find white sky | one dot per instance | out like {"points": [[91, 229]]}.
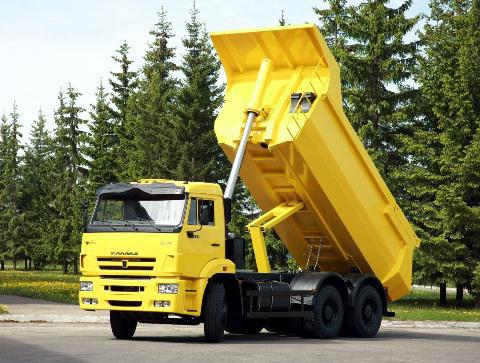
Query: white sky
{"points": [[46, 44]]}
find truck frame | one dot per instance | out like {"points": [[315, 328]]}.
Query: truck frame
{"points": [[159, 251]]}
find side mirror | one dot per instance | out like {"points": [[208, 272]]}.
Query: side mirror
{"points": [[85, 214], [205, 214]]}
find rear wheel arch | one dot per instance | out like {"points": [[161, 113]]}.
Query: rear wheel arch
{"points": [[339, 283], [368, 280]]}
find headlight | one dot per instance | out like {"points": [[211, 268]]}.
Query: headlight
{"points": [[86, 286], [168, 288]]}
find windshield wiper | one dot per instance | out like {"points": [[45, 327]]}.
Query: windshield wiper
{"points": [[110, 224], [130, 224], [150, 222]]}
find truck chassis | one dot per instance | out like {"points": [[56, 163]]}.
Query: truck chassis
{"points": [[308, 304]]}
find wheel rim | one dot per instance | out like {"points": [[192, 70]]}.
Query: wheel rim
{"points": [[329, 312], [369, 311]]}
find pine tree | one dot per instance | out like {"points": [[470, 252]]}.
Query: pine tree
{"points": [[334, 25], [37, 184], [3, 203], [102, 146], [282, 21], [152, 113], [199, 156], [69, 145], [449, 77], [376, 62], [124, 84], [12, 217]]}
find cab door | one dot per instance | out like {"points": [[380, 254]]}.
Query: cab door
{"points": [[204, 233]]}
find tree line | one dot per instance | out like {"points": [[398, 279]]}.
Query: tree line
{"points": [[411, 89], [156, 122]]}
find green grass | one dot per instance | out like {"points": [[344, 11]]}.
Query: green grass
{"points": [[47, 285], [423, 305], [55, 286], [3, 309]]}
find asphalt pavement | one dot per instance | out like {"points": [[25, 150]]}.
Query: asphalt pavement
{"points": [[36, 340]]}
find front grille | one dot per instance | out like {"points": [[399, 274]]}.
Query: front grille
{"points": [[137, 268], [126, 288], [126, 277], [125, 303], [129, 259], [125, 263]]}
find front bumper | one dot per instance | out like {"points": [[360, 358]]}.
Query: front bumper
{"points": [[134, 295]]}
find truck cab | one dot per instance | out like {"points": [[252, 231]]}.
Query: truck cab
{"points": [[152, 246]]}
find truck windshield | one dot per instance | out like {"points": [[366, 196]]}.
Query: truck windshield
{"points": [[164, 210]]}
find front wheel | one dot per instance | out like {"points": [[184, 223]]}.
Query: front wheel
{"points": [[215, 313], [122, 326]]}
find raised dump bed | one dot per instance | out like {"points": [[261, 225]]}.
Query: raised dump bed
{"points": [[303, 149]]}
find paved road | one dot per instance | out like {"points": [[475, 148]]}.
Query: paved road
{"points": [[29, 342], [19, 305]]}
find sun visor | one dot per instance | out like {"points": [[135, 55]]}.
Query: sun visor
{"points": [[141, 188]]}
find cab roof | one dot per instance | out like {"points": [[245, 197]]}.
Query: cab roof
{"points": [[161, 186], [189, 187]]}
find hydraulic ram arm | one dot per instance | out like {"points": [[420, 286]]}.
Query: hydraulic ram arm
{"points": [[265, 222], [252, 112]]}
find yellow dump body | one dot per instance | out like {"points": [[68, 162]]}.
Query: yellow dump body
{"points": [[312, 155]]}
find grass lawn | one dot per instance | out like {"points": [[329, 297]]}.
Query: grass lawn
{"points": [[55, 286], [423, 305], [3, 309], [48, 285]]}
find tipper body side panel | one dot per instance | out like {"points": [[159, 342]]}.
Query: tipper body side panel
{"points": [[303, 149]]}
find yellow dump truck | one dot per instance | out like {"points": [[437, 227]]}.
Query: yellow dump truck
{"points": [[159, 251]]}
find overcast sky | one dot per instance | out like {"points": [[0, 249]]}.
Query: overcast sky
{"points": [[46, 44]]}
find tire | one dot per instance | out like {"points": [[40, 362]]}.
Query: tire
{"points": [[328, 312], [365, 318], [122, 326], [215, 313]]}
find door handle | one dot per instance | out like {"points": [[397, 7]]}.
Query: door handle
{"points": [[215, 244], [190, 234]]}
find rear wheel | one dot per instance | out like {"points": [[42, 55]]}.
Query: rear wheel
{"points": [[365, 318], [123, 327], [328, 314], [215, 313]]}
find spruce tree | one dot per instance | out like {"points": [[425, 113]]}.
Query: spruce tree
{"points": [[282, 21], [3, 203], [12, 217], [449, 78], [102, 146], [199, 156], [69, 148], [152, 115], [37, 184], [334, 27], [376, 62], [124, 84]]}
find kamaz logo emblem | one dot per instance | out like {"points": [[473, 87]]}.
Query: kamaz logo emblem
{"points": [[124, 263], [119, 253]]}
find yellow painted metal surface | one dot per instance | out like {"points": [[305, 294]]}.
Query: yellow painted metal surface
{"points": [[312, 155], [112, 260], [265, 222]]}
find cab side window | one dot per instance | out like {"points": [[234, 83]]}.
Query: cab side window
{"points": [[206, 212], [192, 214]]}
